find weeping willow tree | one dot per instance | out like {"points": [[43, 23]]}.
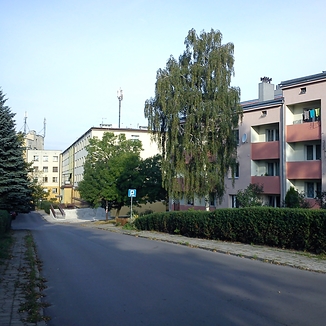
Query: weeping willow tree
{"points": [[193, 116]]}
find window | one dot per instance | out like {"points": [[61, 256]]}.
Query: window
{"points": [[303, 90], [236, 136], [55, 158], [310, 152], [45, 179], [190, 201], [45, 169], [318, 152], [35, 168], [234, 202], [55, 179], [236, 171], [273, 169], [212, 199], [54, 190], [55, 169], [313, 152], [272, 135], [35, 158], [274, 201], [45, 158], [312, 188]]}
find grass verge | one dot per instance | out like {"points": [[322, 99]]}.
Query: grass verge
{"points": [[33, 304], [6, 241]]}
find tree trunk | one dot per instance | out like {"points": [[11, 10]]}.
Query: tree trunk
{"points": [[106, 210]]}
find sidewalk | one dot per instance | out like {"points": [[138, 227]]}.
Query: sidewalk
{"points": [[12, 279], [297, 259]]}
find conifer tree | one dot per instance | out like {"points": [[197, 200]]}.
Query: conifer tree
{"points": [[15, 192], [193, 116]]}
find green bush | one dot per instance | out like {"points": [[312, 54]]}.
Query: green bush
{"points": [[5, 222], [291, 228]]}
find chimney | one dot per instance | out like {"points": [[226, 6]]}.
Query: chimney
{"points": [[265, 89]]}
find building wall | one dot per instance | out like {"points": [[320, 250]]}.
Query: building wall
{"points": [[46, 165], [73, 158]]}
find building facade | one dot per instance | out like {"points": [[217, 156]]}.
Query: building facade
{"points": [[73, 158], [281, 143], [46, 170]]}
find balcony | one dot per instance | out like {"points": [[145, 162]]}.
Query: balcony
{"points": [[265, 150], [303, 132], [303, 170], [271, 184]]}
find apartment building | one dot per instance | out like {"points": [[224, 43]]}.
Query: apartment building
{"points": [[46, 169], [45, 163], [281, 143], [73, 158]]}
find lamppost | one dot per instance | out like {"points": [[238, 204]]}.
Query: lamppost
{"points": [[120, 98]]}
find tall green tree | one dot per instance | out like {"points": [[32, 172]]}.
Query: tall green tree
{"points": [[111, 168], [15, 188], [151, 189], [193, 116]]}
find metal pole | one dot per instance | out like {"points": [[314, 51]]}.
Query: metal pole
{"points": [[131, 208], [120, 98], [119, 111]]}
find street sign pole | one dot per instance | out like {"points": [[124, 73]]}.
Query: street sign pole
{"points": [[131, 194]]}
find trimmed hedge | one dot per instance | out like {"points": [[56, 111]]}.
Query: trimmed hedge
{"points": [[299, 229], [5, 222]]}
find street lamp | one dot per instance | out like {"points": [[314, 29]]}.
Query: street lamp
{"points": [[120, 98]]}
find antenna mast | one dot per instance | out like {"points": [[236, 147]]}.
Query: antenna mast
{"points": [[44, 127], [25, 123]]}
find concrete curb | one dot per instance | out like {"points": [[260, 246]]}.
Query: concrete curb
{"points": [[276, 256]]}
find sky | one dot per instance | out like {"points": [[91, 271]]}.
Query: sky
{"points": [[65, 60]]}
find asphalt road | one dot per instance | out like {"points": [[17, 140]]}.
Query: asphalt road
{"points": [[97, 277]]}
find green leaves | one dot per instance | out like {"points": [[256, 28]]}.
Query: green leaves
{"points": [[113, 165], [193, 114], [15, 188]]}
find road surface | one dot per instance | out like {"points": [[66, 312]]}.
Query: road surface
{"points": [[95, 277]]}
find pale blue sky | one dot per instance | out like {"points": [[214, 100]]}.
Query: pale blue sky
{"points": [[64, 60]]}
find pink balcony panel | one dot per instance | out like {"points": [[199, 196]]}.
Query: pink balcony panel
{"points": [[303, 132], [303, 170], [265, 150], [271, 184]]}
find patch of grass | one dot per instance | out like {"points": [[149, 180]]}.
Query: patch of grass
{"points": [[6, 241], [32, 289], [129, 226]]}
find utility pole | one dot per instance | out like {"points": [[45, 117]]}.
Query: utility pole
{"points": [[120, 98]]}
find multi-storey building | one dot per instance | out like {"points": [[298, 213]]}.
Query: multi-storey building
{"points": [[45, 163], [46, 169], [281, 143], [73, 158]]}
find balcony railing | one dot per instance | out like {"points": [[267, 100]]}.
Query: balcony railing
{"points": [[303, 170]]}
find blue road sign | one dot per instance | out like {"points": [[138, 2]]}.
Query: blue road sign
{"points": [[131, 192]]}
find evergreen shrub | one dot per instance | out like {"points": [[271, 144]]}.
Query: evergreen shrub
{"points": [[290, 228], [5, 222]]}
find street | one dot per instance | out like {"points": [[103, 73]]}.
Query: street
{"points": [[96, 277]]}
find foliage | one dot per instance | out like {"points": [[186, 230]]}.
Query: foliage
{"points": [[294, 199], [5, 222], [38, 193], [298, 229], [193, 115], [151, 189], [321, 199], [6, 241], [15, 192], [251, 196], [111, 168]]}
